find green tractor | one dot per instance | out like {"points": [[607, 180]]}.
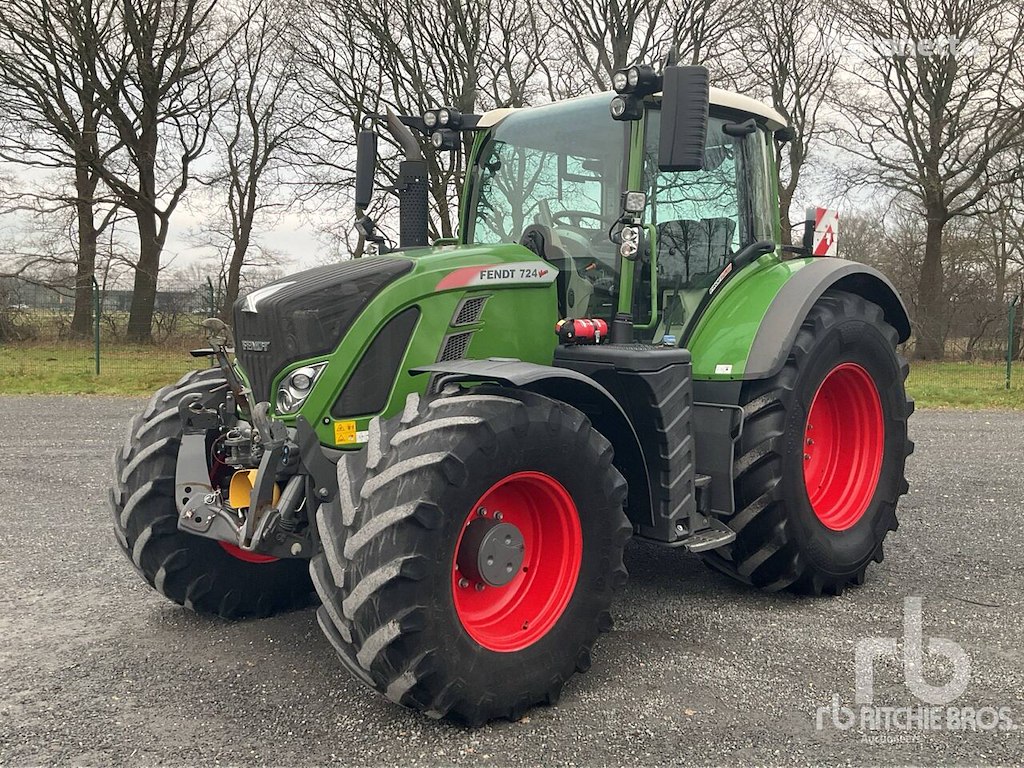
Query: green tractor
{"points": [[453, 444]]}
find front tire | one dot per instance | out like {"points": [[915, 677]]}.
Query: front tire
{"points": [[820, 464], [193, 571], [426, 611]]}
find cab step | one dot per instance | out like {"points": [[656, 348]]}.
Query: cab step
{"points": [[718, 535]]}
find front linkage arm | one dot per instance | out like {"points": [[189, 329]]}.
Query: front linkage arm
{"points": [[288, 458]]}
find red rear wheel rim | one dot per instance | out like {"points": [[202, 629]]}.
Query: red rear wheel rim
{"points": [[241, 554], [844, 441], [511, 617]]}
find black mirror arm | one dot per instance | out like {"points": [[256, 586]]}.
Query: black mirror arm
{"points": [[740, 130]]}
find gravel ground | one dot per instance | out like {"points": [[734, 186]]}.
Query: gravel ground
{"points": [[95, 668]]}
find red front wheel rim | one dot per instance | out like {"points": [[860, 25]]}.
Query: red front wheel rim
{"points": [[515, 615], [241, 554], [844, 441]]}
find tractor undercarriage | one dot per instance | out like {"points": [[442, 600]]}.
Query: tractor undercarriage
{"points": [[253, 484]]}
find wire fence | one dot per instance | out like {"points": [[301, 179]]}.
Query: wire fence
{"points": [[40, 353]]}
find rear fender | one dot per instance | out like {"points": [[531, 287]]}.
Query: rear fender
{"points": [[747, 331], [786, 313]]}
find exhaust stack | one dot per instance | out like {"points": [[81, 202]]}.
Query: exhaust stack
{"points": [[413, 208]]}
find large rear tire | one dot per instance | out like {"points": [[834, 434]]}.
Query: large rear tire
{"points": [[189, 570], [424, 610], [820, 464]]}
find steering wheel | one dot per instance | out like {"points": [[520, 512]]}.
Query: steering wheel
{"points": [[576, 218]]}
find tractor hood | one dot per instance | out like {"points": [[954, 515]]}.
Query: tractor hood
{"points": [[305, 315]]}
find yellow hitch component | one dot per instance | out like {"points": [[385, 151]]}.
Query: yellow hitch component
{"points": [[241, 488]]}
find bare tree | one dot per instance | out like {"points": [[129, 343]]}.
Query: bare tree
{"points": [[366, 57], [51, 120], [156, 85], [261, 132], [1001, 226], [787, 60], [381, 54], [936, 97], [600, 36]]}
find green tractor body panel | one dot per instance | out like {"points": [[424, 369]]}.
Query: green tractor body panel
{"points": [[517, 320], [748, 328], [725, 333]]}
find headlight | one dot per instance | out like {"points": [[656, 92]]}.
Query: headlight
{"points": [[629, 242], [634, 202], [443, 117], [296, 386], [619, 81], [626, 107], [444, 139], [430, 118]]}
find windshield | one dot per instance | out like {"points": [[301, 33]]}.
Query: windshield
{"points": [[560, 165], [552, 179]]}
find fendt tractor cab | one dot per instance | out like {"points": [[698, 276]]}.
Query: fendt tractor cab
{"points": [[453, 444]]}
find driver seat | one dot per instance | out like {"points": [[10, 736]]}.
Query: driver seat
{"points": [[574, 290]]}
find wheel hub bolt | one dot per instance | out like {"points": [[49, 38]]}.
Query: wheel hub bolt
{"points": [[481, 511], [479, 587], [498, 516], [463, 583]]}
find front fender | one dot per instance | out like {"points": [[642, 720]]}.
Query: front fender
{"points": [[606, 414], [747, 331]]}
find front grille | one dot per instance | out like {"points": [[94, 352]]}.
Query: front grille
{"points": [[305, 315]]}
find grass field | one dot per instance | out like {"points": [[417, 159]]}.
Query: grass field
{"points": [[968, 386], [71, 370], [140, 370]]}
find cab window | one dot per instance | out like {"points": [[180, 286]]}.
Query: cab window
{"points": [[701, 219]]}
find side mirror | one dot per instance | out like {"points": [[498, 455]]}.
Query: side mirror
{"points": [[366, 164], [807, 241], [684, 118]]}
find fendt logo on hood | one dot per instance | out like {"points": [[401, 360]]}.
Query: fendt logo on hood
{"points": [[255, 345]]}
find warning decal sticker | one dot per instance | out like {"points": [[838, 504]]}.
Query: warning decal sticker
{"points": [[826, 232]]}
